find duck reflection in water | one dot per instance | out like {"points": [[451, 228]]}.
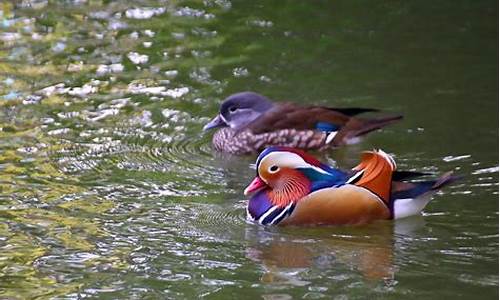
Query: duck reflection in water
{"points": [[286, 253]]}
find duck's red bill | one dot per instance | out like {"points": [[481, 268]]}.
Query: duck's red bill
{"points": [[254, 186]]}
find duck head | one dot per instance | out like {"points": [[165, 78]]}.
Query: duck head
{"points": [[239, 110], [285, 176]]}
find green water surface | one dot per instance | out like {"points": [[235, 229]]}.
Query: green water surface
{"points": [[109, 189]]}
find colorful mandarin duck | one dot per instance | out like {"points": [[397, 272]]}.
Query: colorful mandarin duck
{"points": [[294, 188], [250, 122]]}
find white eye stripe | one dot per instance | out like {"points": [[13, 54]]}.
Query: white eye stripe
{"points": [[223, 119], [288, 159]]}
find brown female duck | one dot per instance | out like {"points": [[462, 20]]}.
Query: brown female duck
{"points": [[250, 122]]}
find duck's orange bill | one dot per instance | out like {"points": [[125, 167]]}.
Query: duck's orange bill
{"points": [[255, 185]]}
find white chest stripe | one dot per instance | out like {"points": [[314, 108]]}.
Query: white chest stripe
{"points": [[288, 209], [285, 211], [267, 213]]}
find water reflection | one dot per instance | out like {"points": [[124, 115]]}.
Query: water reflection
{"points": [[285, 254]]}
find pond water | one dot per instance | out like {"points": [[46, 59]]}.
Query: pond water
{"points": [[109, 189]]}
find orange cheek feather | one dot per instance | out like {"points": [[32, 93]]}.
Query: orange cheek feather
{"points": [[287, 186]]}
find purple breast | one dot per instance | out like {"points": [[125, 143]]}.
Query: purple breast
{"points": [[259, 204]]}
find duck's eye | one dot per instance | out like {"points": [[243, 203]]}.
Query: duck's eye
{"points": [[232, 109], [273, 169]]}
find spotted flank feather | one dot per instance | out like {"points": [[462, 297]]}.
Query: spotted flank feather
{"points": [[244, 142]]}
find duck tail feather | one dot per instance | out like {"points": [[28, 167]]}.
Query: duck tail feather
{"points": [[445, 179], [369, 125]]}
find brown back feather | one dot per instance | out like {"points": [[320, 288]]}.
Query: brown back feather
{"points": [[292, 116]]}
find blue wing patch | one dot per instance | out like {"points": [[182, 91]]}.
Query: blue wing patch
{"points": [[326, 127]]}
